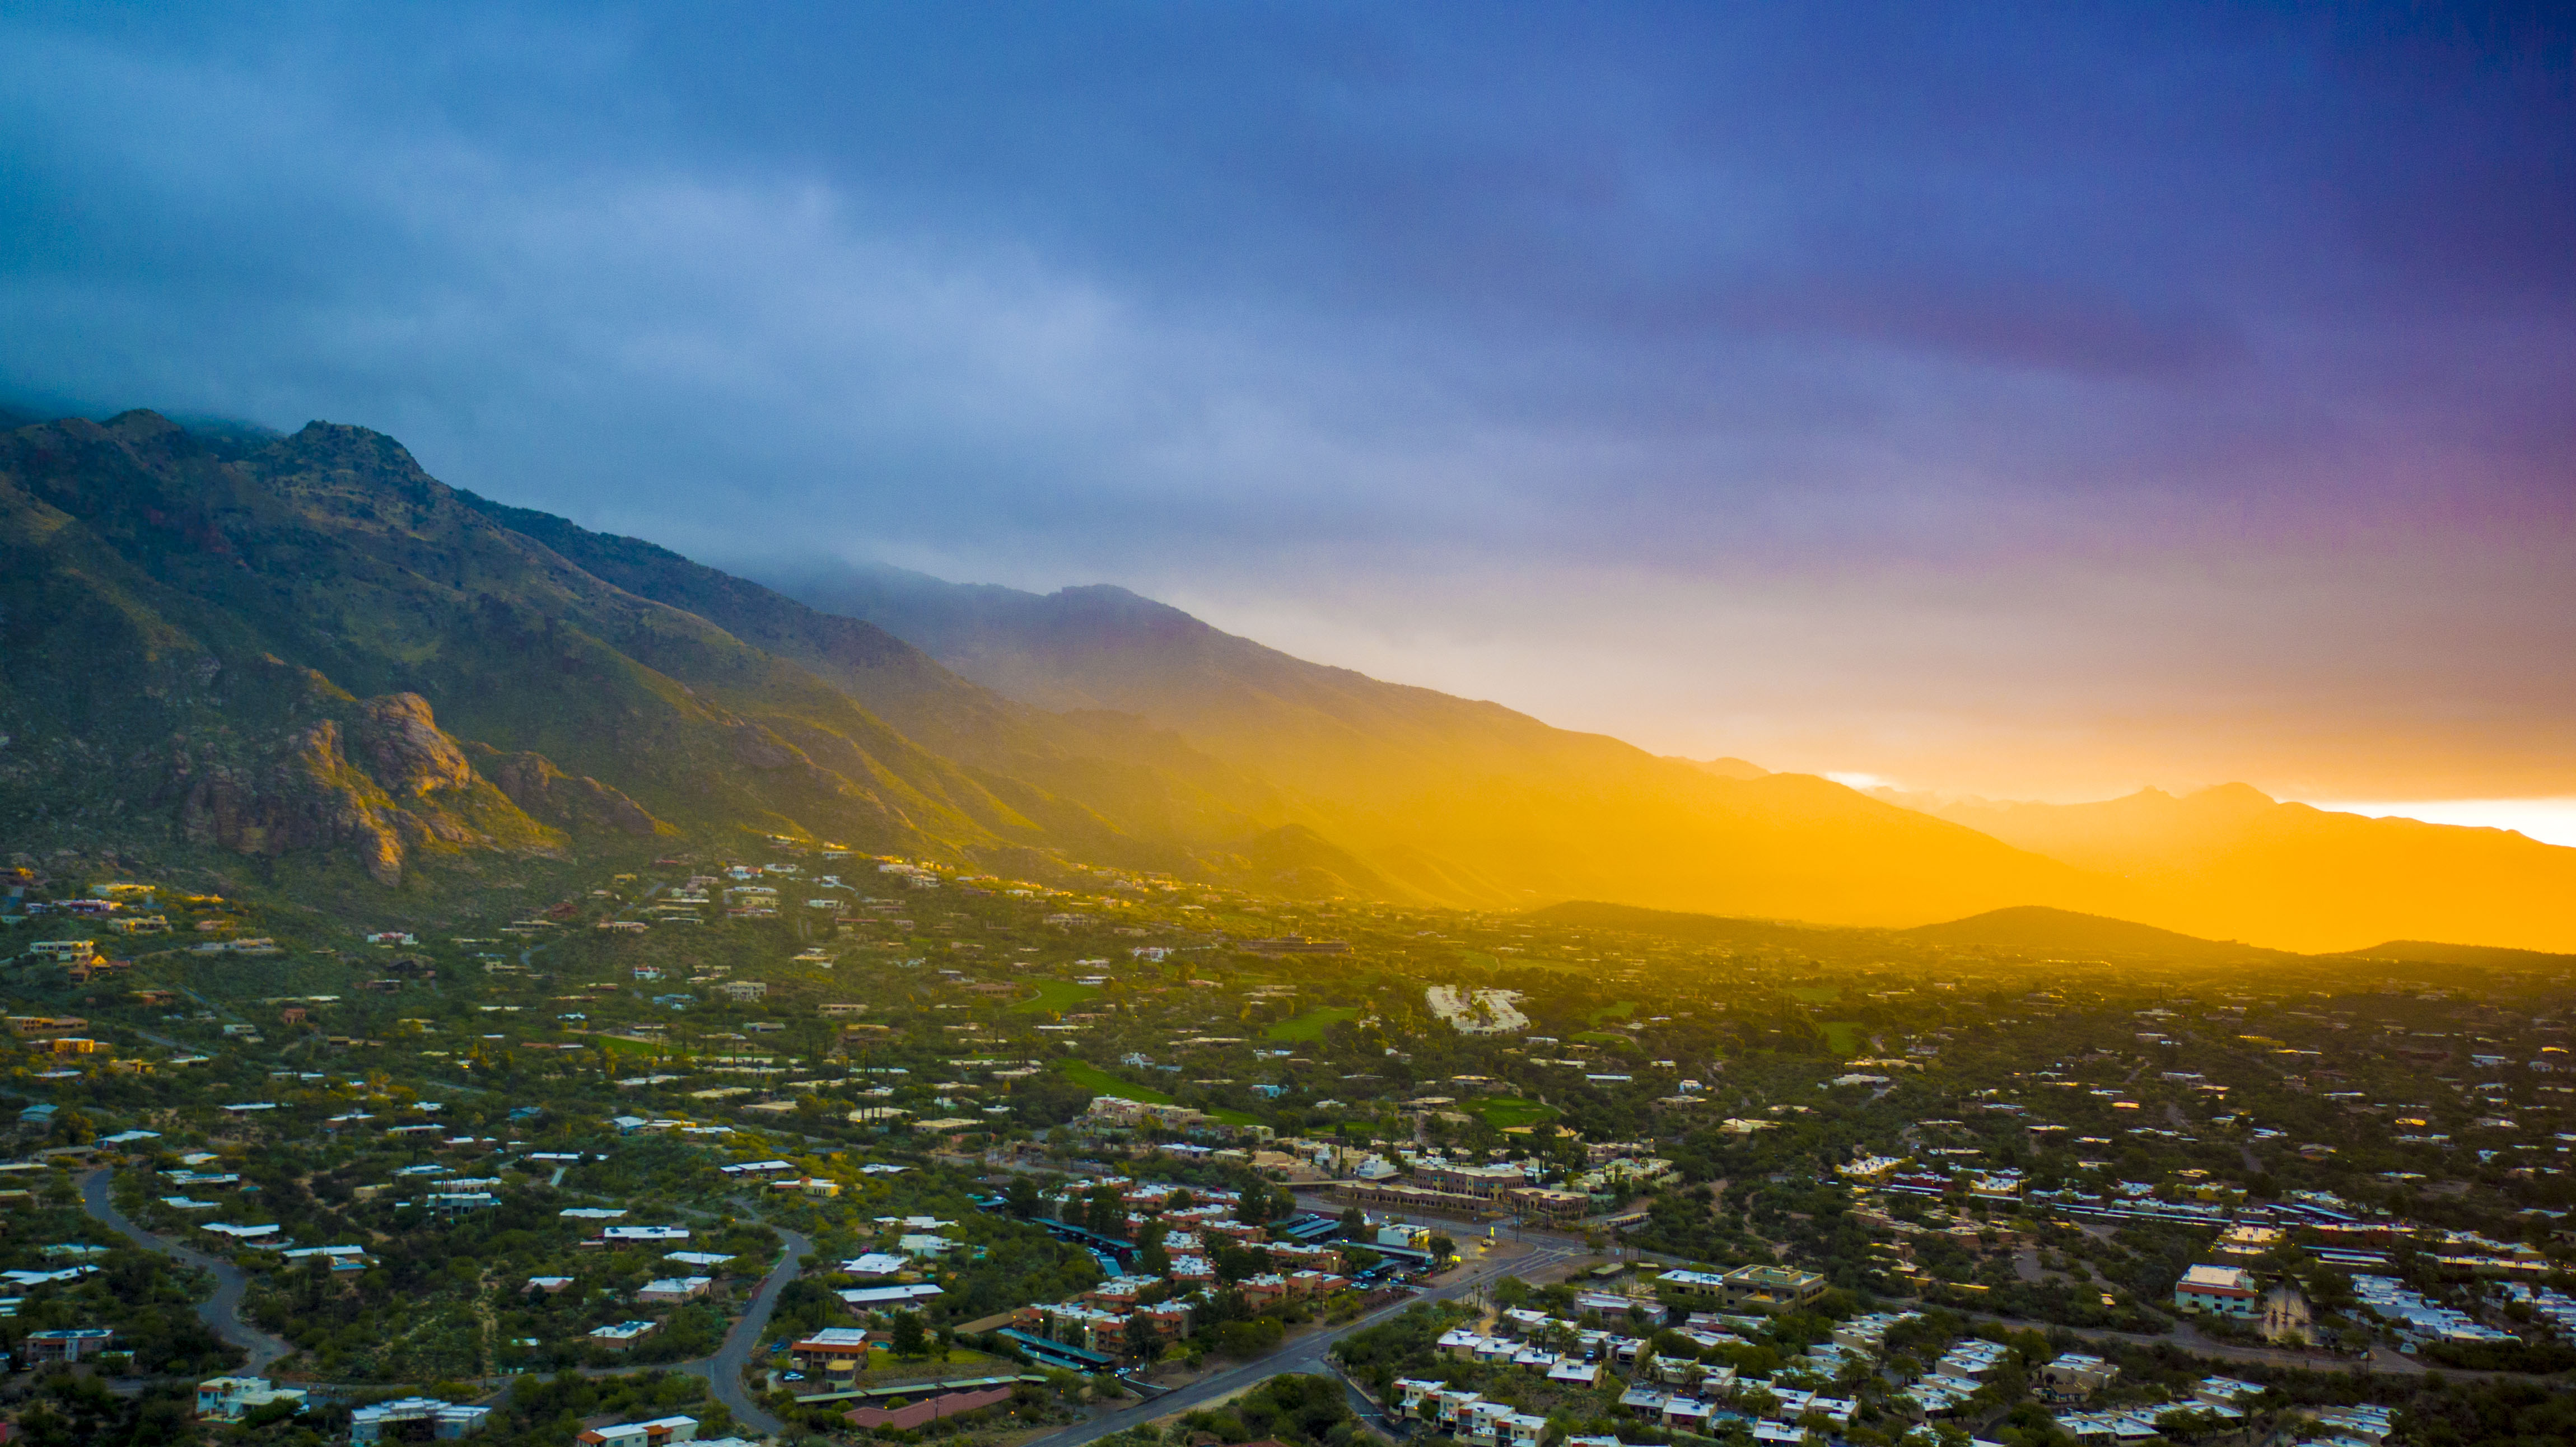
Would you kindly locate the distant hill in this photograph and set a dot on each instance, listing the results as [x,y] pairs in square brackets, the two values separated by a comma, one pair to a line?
[2035,927]
[1462,801]
[2427,952]
[1695,928]
[1729,768]
[2231,861]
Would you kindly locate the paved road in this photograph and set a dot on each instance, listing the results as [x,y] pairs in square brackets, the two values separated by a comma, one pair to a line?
[723,1371]
[1305,1354]
[222,1311]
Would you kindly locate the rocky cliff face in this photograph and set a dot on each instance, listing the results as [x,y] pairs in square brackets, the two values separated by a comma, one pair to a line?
[407,753]
[546,793]
[409,789]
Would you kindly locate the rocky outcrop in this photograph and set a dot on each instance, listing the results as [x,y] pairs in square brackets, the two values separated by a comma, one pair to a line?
[404,749]
[410,789]
[574,802]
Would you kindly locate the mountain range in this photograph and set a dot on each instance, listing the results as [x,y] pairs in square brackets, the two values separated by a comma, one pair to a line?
[304,647]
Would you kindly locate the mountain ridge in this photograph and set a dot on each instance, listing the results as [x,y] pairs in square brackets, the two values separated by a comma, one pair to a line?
[181,616]
[1435,790]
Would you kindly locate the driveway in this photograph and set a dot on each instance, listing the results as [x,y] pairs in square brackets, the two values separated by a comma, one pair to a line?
[220,1312]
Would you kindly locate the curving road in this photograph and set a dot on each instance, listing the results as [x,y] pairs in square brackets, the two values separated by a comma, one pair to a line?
[723,1371]
[220,1312]
[1310,1353]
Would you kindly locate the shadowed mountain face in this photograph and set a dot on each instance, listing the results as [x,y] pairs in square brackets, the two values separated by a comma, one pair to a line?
[191,625]
[2231,861]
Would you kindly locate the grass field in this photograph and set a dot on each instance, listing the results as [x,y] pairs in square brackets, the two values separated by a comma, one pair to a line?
[1842,1036]
[1312,1024]
[1100,1082]
[621,1046]
[1502,1111]
[1054,996]
[1815,994]
[1620,1011]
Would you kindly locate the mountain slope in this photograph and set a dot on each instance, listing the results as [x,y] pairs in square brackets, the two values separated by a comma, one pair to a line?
[2232,861]
[2037,927]
[1466,800]
[179,605]
[1069,771]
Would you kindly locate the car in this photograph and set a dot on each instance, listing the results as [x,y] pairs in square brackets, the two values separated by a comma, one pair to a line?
[791,1376]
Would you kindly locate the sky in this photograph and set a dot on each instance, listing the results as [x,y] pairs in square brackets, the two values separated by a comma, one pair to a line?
[2023,401]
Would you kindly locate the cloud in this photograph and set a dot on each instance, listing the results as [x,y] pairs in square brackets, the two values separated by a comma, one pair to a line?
[2091,393]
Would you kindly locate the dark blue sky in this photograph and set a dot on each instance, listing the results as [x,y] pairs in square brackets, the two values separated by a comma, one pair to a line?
[2034,400]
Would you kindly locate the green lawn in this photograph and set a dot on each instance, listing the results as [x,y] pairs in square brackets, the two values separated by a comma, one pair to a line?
[1233,1117]
[1842,1036]
[1054,996]
[1313,1024]
[621,1046]
[1501,1111]
[1100,1082]
[1815,994]
[1620,1011]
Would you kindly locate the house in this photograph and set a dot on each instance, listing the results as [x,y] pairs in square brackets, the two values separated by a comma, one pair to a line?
[1411,1393]
[623,1333]
[412,1419]
[834,1352]
[64,1344]
[870,1298]
[1768,1287]
[634,1235]
[672,1290]
[227,1398]
[2225,1290]
[2074,1376]
[641,1434]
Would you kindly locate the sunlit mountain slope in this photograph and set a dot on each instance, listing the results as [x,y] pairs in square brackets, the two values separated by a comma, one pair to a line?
[1463,800]
[2230,861]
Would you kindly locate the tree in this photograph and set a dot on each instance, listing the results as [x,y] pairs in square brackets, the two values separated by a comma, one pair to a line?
[1354,1223]
[909,1340]
[1259,1203]
[1107,1213]
[1144,1342]
[1442,1248]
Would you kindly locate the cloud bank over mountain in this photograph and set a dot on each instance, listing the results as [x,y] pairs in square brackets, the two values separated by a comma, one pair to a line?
[2033,403]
